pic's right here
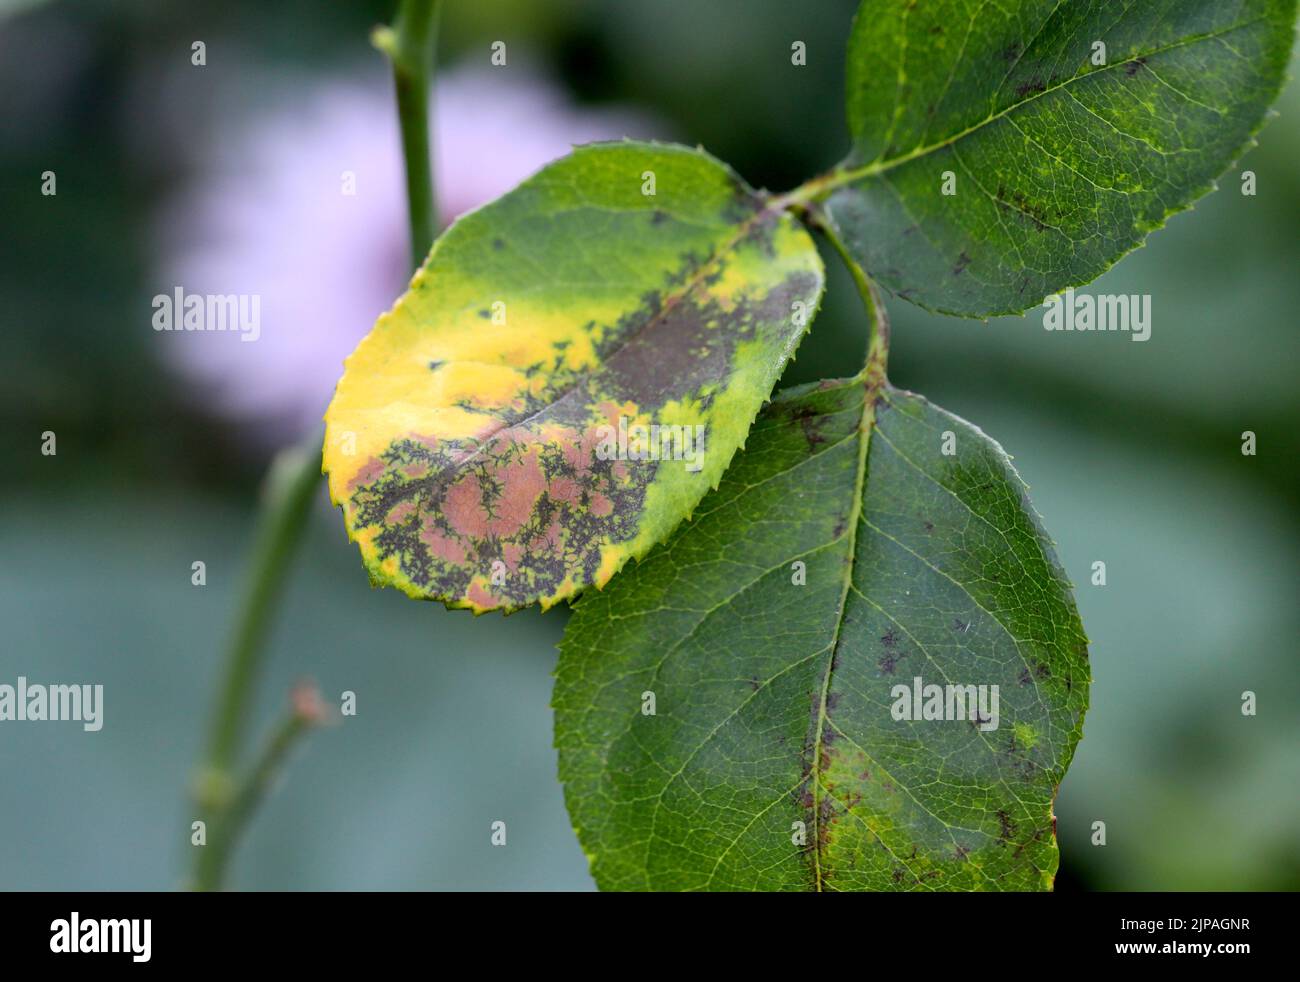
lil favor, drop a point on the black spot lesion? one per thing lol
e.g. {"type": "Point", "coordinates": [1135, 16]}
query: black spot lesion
{"type": "Point", "coordinates": [888, 663]}
{"type": "Point", "coordinates": [674, 347]}
{"type": "Point", "coordinates": [1131, 68]}
{"type": "Point", "coordinates": [1017, 202]}
{"type": "Point", "coordinates": [1030, 87]}
{"type": "Point", "coordinates": [811, 422]}
{"type": "Point", "coordinates": [1006, 828]}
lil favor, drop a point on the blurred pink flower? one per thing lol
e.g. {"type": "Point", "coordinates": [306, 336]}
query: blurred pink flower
{"type": "Point", "coordinates": [267, 214]}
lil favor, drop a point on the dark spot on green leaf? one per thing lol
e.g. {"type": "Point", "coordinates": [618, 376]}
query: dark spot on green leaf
{"type": "Point", "coordinates": [1030, 87]}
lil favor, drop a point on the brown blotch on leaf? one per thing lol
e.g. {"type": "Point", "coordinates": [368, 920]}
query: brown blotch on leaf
{"type": "Point", "coordinates": [811, 422]}
{"type": "Point", "coordinates": [824, 757]}
{"type": "Point", "coordinates": [827, 815]}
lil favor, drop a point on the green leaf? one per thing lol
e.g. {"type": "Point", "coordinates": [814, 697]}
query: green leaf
{"type": "Point", "coordinates": [473, 439]}
{"type": "Point", "coordinates": [1061, 166]}
{"type": "Point", "coordinates": [773, 701]}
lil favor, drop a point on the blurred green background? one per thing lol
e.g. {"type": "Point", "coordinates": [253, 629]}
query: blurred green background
{"type": "Point", "coordinates": [1132, 452]}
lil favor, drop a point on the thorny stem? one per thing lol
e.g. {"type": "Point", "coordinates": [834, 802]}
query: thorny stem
{"type": "Point", "coordinates": [226, 804]}
{"type": "Point", "coordinates": [409, 44]}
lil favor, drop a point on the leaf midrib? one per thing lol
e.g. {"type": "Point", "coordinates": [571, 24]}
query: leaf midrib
{"type": "Point", "coordinates": [865, 426]}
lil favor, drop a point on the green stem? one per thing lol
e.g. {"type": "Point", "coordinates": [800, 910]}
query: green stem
{"type": "Point", "coordinates": [409, 44]}
{"type": "Point", "coordinates": [214, 856]}
{"type": "Point", "coordinates": [226, 806]}
{"type": "Point", "coordinates": [290, 489]}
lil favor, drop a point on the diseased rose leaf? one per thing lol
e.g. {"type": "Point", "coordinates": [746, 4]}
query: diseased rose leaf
{"type": "Point", "coordinates": [772, 701]}
{"type": "Point", "coordinates": [470, 439]}
{"type": "Point", "coordinates": [1060, 166]}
